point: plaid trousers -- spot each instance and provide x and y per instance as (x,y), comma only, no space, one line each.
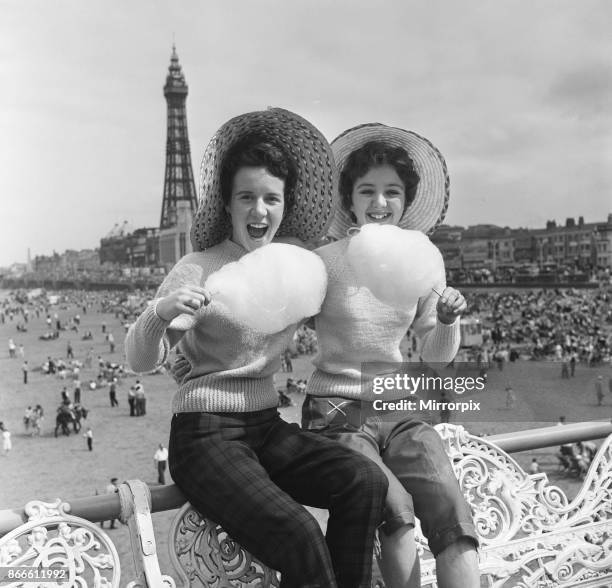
(251,473)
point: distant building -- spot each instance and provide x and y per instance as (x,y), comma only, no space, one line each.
(575,246)
(603,243)
(570,244)
(47,264)
(71,264)
(83,261)
(448,240)
(114,247)
(143,247)
(478,246)
(474,253)
(524,246)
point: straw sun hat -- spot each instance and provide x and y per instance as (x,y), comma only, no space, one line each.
(428,208)
(314,194)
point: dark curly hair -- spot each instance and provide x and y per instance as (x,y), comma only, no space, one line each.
(376,154)
(255,152)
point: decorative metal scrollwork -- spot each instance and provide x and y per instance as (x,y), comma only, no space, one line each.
(206,556)
(53,538)
(531,535)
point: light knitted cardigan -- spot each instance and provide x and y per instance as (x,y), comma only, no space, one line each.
(354,327)
(221,365)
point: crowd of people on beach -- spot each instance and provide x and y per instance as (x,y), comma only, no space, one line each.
(571,326)
(60,315)
(568,272)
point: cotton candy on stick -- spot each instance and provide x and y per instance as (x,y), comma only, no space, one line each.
(184,322)
(271,287)
(398,266)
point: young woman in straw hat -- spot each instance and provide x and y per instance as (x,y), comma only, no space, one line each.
(264,174)
(391,176)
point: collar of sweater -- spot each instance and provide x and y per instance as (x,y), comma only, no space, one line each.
(233,248)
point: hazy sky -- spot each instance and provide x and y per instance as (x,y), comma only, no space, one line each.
(516,95)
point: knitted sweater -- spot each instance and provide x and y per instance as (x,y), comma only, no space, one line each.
(221,365)
(354,327)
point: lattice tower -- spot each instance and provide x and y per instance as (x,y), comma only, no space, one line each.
(179,186)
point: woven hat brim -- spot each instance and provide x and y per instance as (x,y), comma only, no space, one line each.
(314,194)
(430,203)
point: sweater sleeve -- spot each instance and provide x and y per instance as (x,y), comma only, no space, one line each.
(439,343)
(149,339)
(146,344)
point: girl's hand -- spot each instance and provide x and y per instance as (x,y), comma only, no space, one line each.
(185,300)
(450,305)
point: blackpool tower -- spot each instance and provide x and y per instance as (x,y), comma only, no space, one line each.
(180,199)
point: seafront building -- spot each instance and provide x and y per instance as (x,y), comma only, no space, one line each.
(569,252)
(572,247)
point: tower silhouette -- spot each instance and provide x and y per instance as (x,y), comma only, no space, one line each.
(180,199)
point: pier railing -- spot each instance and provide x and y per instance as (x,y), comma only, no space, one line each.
(531,534)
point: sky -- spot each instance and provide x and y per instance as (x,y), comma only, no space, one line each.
(515,93)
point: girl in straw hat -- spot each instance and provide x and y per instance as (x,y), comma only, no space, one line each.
(264,174)
(391,176)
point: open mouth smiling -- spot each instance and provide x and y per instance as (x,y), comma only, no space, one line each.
(378,217)
(257,230)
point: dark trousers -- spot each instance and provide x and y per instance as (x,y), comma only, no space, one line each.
(90,443)
(161,472)
(140,405)
(113,399)
(25,377)
(131,402)
(77,396)
(251,473)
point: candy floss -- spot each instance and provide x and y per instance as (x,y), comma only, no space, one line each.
(272,287)
(398,266)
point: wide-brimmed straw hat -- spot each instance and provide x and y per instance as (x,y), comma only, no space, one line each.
(314,193)
(428,208)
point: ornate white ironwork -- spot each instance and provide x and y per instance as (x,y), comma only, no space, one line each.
(531,535)
(54,538)
(562,558)
(206,556)
(136,511)
(39,510)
